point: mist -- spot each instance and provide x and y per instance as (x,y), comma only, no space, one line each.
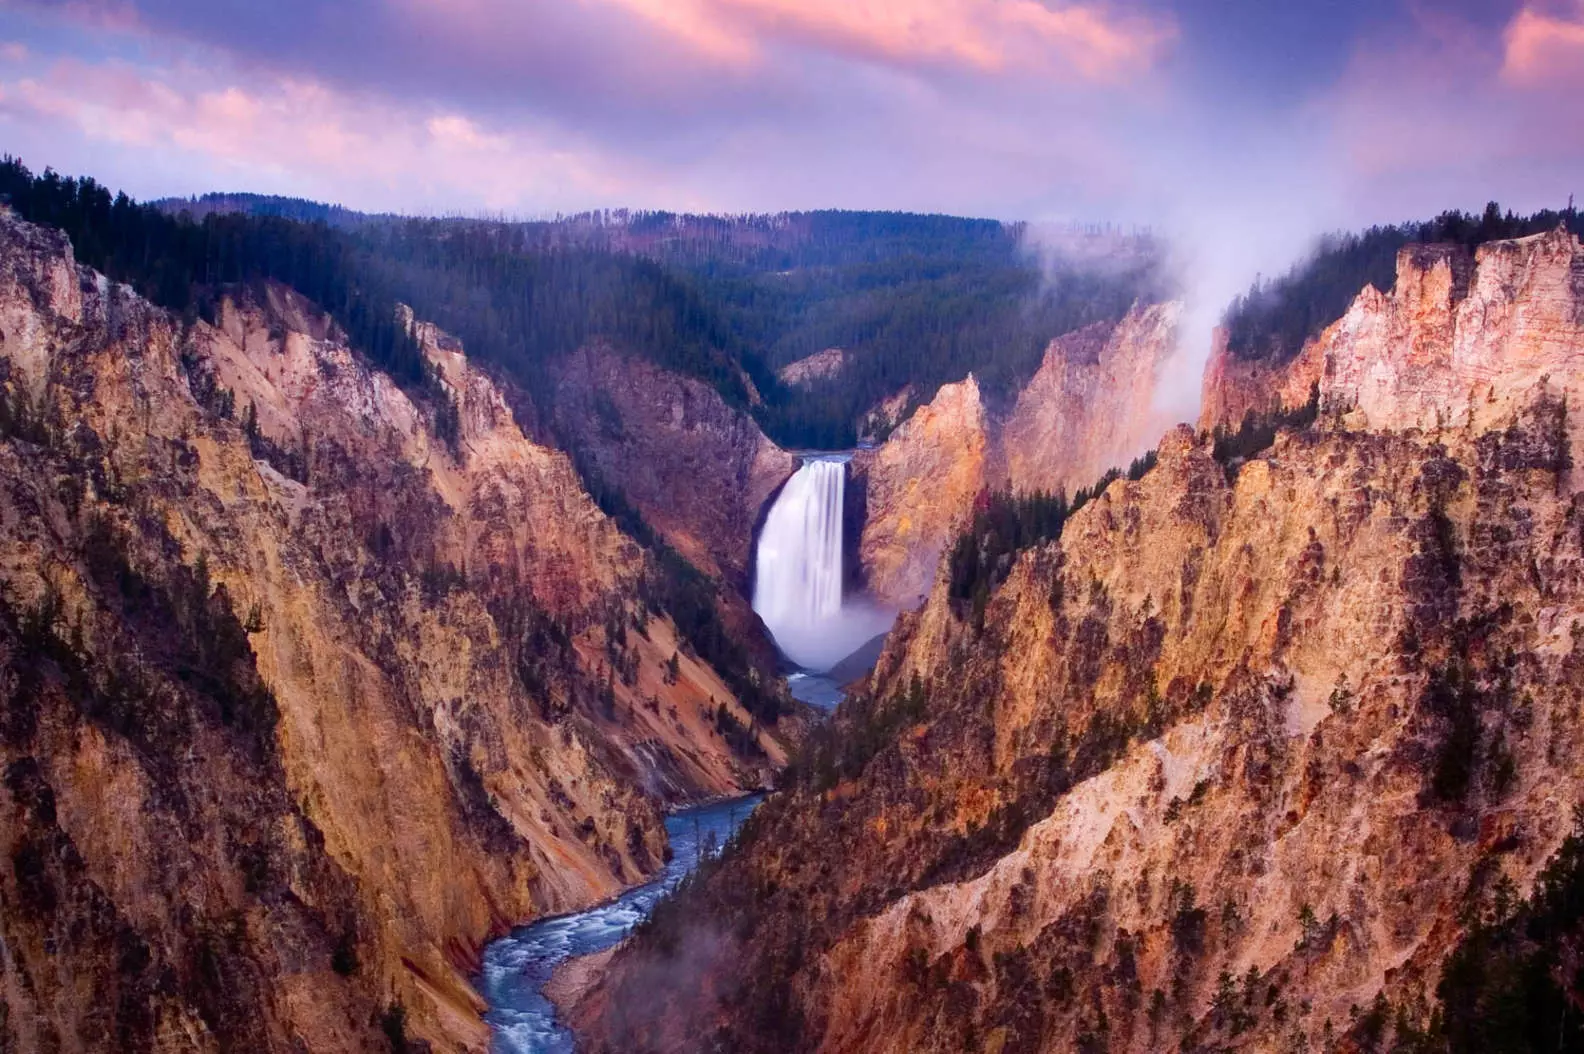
(1213,223)
(1221,235)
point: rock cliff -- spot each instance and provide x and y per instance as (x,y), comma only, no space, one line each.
(1091,406)
(1236,387)
(916,487)
(307,688)
(1237,758)
(820,366)
(699,470)
(1462,337)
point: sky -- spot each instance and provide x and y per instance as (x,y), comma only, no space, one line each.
(1239,128)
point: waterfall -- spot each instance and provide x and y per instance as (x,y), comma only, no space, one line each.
(798,580)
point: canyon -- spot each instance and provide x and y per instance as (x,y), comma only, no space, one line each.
(747,527)
(1236,761)
(305,695)
(323,667)
(331,655)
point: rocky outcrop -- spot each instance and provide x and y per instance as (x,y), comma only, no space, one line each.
(1236,387)
(820,366)
(698,470)
(1090,407)
(1451,347)
(1242,752)
(1093,404)
(304,693)
(1460,338)
(917,487)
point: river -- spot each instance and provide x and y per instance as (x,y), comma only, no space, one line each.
(517,966)
(815,689)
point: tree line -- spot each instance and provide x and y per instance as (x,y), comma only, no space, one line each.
(917,300)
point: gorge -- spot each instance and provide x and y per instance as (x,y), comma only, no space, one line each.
(801,593)
(1104,812)
(396,616)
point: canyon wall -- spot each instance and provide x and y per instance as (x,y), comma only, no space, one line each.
(917,486)
(698,470)
(1092,405)
(1089,407)
(307,687)
(1236,387)
(1237,758)
(1461,338)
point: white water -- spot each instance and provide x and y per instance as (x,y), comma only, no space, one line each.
(798,580)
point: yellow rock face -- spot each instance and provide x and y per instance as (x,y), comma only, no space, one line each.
(1460,341)
(1090,407)
(1269,619)
(314,711)
(917,488)
(1093,404)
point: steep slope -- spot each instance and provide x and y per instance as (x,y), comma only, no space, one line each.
(299,701)
(1092,406)
(700,473)
(699,470)
(1460,338)
(916,488)
(1246,750)
(1089,407)
(1235,388)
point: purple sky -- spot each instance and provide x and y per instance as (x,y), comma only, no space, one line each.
(1242,127)
(1138,112)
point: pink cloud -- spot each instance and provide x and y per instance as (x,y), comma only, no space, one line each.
(1544,49)
(312,135)
(984,35)
(1456,116)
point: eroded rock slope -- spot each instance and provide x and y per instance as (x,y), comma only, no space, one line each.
(305,690)
(1091,406)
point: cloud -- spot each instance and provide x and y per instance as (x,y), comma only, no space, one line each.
(303,134)
(1544,49)
(569,104)
(1457,114)
(988,36)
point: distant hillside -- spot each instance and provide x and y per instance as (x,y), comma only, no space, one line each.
(916,301)
(299,209)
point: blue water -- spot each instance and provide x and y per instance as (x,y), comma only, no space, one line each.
(815,689)
(517,966)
